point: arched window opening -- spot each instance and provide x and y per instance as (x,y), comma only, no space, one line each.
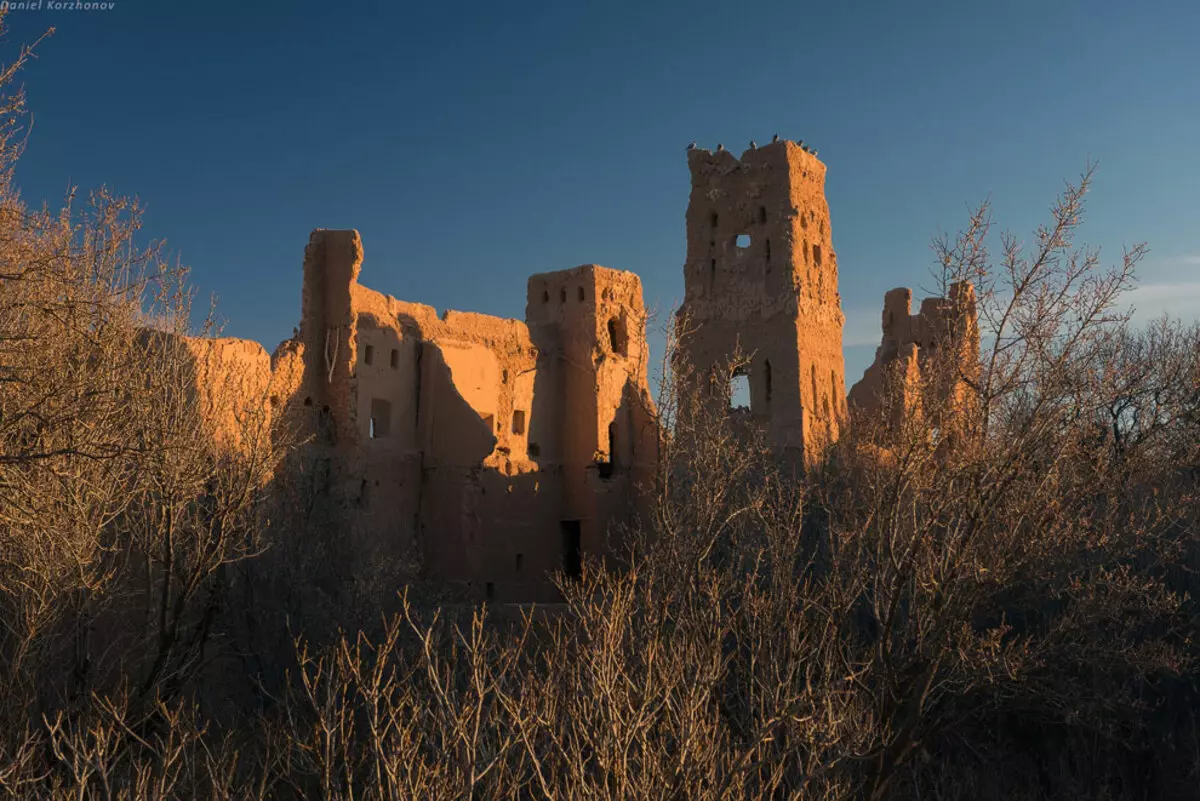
(739,390)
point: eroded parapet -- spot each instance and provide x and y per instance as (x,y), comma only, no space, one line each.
(926,363)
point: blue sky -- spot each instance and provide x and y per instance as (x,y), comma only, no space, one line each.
(473,144)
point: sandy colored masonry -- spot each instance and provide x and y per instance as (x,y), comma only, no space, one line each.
(498,451)
(900,383)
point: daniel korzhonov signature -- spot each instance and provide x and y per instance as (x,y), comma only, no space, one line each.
(56,5)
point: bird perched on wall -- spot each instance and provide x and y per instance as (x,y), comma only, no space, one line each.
(753,145)
(775,138)
(692,146)
(801,143)
(813,151)
(720,148)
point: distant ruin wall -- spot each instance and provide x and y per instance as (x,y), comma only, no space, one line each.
(925,361)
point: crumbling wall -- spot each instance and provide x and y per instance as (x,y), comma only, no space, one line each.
(483,511)
(925,362)
(233,380)
(228,381)
(761,278)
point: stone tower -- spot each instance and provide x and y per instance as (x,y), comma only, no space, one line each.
(761,276)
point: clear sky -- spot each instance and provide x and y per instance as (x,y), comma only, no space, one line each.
(474,143)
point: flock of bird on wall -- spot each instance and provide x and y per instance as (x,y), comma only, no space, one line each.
(754,145)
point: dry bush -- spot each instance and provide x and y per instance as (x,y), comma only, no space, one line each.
(118,516)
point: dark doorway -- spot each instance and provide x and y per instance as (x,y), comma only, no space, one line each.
(572,549)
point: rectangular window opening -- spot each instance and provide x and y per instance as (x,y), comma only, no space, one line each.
(572,548)
(618,336)
(381,419)
(609,468)
(368,354)
(767,382)
(395,358)
(518,422)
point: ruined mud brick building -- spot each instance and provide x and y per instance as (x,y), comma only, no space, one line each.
(761,283)
(903,380)
(501,450)
(498,450)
